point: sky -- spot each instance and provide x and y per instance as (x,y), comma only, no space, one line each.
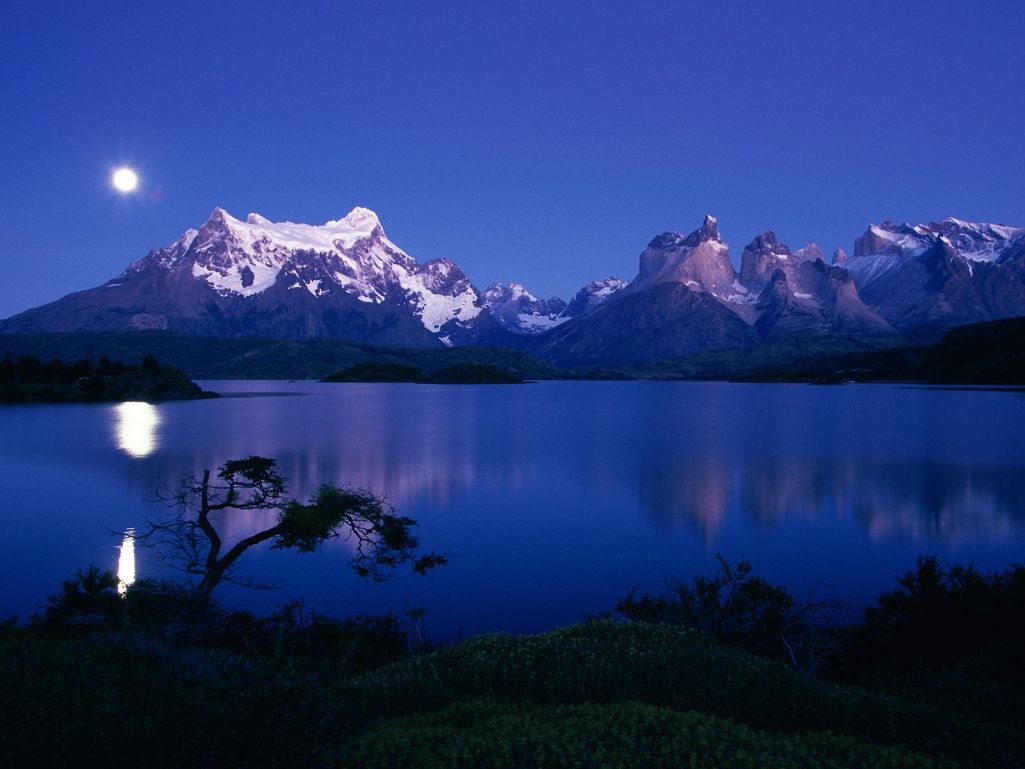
(537,142)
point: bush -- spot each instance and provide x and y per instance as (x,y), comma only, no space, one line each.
(940,615)
(946,635)
(89,603)
(739,609)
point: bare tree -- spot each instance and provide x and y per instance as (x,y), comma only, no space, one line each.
(191,539)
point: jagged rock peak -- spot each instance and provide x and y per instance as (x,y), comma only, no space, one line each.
(666,240)
(839,257)
(708,231)
(808,253)
(767,243)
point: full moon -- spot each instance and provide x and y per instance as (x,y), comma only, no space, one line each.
(125,180)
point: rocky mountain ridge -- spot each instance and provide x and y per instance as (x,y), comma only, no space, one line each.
(346,279)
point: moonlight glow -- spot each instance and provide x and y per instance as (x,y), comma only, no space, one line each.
(125,180)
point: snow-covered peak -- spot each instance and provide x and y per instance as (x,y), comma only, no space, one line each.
(593,295)
(498,293)
(975,241)
(348,256)
(259,234)
(359,218)
(518,310)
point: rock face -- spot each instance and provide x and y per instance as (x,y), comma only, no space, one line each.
(259,278)
(798,291)
(687,297)
(928,278)
(700,261)
(663,320)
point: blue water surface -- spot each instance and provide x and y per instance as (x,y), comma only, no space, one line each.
(552,499)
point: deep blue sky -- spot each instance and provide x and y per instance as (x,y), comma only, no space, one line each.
(539,142)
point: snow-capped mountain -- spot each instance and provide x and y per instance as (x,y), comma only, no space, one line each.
(928,278)
(231,277)
(346,279)
(520,311)
(594,294)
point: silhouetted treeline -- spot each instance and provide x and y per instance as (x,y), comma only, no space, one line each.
(27,379)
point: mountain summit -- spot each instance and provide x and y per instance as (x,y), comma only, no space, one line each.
(343,278)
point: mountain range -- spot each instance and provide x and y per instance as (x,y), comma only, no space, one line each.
(346,279)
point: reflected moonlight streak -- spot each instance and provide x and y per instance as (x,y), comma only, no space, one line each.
(135,429)
(126,562)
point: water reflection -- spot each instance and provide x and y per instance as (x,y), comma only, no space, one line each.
(569,491)
(126,562)
(919,501)
(912,500)
(712,462)
(135,428)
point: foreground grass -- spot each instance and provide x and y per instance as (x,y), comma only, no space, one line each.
(620,735)
(597,694)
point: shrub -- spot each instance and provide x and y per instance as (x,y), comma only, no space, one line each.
(739,609)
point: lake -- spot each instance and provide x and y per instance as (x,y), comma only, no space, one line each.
(552,499)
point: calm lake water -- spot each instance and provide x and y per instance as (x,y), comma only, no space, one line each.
(552,498)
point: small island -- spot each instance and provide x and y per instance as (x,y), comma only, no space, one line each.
(29,380)
(462,373)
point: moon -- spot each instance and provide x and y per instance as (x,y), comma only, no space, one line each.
(125,180)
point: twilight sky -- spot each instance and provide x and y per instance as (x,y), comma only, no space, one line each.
(541,142)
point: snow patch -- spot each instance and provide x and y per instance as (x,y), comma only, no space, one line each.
(535,323)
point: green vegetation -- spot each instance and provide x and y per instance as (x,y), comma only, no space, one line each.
(619,735)
(472,373)
(461,373)
(167,677)
(29,380)
(982,353)
(376,372)
(979,354)
(262,358)
(781,353)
